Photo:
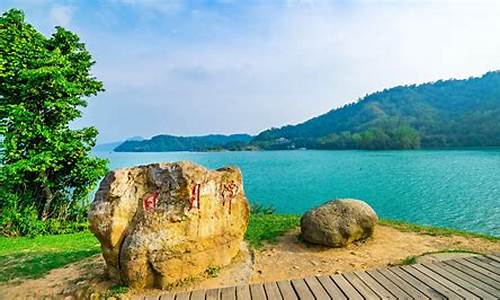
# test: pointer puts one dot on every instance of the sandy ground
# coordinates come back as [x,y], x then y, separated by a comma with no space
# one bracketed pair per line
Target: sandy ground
[292,259]
[289,258]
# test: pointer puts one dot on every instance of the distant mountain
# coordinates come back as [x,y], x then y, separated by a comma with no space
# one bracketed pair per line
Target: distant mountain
[106,147]
[164,143]
[450,113]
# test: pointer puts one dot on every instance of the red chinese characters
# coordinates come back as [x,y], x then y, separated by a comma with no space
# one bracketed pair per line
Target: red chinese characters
[194,200]
[228,193]
[150,201]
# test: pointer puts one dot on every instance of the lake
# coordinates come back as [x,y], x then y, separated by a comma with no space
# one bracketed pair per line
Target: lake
[451,188]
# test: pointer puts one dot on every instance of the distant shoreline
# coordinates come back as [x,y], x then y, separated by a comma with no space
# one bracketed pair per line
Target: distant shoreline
[289,150]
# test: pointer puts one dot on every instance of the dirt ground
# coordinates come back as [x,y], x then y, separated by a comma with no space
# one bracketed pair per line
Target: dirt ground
[292,259]
[288,258]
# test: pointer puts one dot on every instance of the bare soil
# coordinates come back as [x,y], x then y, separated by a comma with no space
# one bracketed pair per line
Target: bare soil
[288,258]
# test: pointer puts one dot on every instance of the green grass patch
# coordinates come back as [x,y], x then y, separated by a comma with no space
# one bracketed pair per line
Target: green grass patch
[267,228]
[116,290]
[410,260]
[30,258]
[434,231]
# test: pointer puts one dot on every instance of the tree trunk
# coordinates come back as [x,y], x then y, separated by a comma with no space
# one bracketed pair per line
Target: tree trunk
[48,199]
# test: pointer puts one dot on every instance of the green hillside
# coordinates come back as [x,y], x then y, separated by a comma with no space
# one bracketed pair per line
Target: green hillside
[445,113]
[164,143]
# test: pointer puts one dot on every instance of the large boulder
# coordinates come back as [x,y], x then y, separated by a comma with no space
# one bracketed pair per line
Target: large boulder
[338,223]
[166,222]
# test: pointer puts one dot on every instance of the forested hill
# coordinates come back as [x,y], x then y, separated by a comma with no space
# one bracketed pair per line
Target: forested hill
[163,143]
[449,113]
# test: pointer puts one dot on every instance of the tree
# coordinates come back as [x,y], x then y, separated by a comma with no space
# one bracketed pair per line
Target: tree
[46,173]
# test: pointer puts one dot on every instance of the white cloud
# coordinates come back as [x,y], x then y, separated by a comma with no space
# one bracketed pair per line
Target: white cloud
[61,15]
[269,67]
[161,6]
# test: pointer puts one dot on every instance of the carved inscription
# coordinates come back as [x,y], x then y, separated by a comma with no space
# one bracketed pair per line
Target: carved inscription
[229,191]
[194,200]
[150,201]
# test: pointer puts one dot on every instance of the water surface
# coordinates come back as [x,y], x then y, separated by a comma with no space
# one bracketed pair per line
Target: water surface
[452,188]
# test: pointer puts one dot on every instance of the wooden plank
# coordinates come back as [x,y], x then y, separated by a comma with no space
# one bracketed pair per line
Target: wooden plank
[494,257]
[457,289]
[484,265]
[198,295]
[436,286]
[182,296]
[151,297]
[477,268]
[346,287]
[287,290]
[228,293]
[490,261]
[426,290]
[316,288]
[272,291]
[473,273]
[257,292]
[460,281]
[243,292]
[360,286]
[167,296]
[331,288]
[408,288]
[469,278]
[301,288]
[397,290]
[381,291]
[212,294]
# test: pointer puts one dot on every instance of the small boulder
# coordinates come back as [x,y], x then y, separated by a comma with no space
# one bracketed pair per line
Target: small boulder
[338,223]
[166,222]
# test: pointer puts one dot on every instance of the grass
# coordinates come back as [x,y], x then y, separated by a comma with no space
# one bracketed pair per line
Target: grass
[116,290]
[212,271]
[31,258]
[434,231]
[267,228]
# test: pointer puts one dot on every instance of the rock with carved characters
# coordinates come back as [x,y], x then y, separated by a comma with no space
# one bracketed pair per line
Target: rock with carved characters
[163,223]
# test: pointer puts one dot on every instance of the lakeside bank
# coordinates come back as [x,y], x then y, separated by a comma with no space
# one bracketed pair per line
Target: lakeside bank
[67,264]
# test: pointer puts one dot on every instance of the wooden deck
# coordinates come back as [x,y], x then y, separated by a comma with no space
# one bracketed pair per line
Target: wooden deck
[465,278]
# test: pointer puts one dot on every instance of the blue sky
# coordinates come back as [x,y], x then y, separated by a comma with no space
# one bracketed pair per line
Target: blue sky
[198,67]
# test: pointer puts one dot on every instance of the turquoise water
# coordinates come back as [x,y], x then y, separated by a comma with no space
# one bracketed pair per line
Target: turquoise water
[452,188]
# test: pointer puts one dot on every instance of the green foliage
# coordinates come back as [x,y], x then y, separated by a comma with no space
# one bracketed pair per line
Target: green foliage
[403,137]
[46,173]
[451,113]
[410,260]
[261,209]
[267,228]
[161,143]
[116,290]
[212,271]
[24,258]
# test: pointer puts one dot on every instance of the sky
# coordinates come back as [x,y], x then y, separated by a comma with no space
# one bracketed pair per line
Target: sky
[199,67]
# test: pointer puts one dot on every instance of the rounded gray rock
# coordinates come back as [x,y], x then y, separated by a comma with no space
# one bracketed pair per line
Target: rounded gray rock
[338,223]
